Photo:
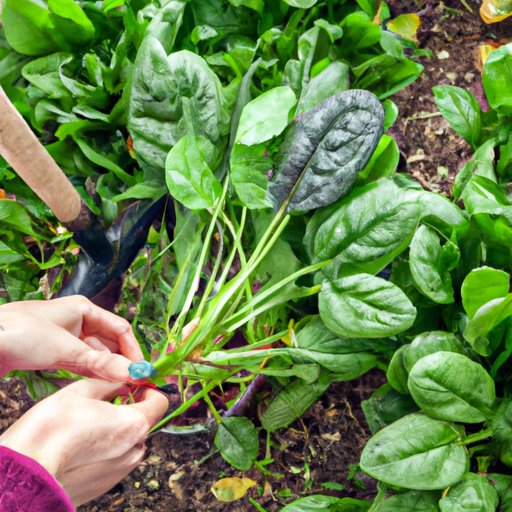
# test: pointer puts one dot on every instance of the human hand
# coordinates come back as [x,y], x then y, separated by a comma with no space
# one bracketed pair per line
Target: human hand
[85,442]
[70,333]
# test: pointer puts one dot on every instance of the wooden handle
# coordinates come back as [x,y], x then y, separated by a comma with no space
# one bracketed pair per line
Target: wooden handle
[28,157]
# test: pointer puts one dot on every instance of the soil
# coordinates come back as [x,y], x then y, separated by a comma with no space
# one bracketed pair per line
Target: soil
[324,446]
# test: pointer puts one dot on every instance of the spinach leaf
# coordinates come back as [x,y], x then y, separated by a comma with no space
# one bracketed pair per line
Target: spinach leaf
[265,117]
[324,150]
[189,177]
[292,402]
[412,501]
[497,76]
[237,440]
[416,452]
[366,230]
[450,386]
[155,110]
[431,263]
[473,493]
[460,108]
[320,503]
[482,285]
[365,306]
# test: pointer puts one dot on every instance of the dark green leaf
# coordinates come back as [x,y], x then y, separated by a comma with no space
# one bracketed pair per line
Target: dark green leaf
[325,149]
[412,501]
[416,452]
[237,441]
[450,386]
[473,494]
[365,306]
[386,406]
[366,230]
[291,403]
[155,113]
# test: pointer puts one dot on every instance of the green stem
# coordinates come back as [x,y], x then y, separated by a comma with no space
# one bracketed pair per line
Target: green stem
[478,436]
[185,405]
[260,297]
[214,411]
[313,290]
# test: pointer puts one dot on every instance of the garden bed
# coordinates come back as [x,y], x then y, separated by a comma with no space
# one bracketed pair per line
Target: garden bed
[320,452]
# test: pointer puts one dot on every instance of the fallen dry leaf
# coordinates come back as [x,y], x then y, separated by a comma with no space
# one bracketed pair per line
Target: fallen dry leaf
[231,489]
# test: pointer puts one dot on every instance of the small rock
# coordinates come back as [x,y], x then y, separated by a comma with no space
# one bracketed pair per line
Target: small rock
[443,55]
[469,77]
[451,76]
[153,485]
[137,485]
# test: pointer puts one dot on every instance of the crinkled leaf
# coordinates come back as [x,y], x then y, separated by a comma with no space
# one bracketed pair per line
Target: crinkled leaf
[482,285]
[450,386]
[324,150]
[155,110]
[473,494]
[291,403]
[237,440]
[416,452]
[365,306]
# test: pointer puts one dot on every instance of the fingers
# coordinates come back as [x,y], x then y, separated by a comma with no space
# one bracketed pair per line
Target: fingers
[105,325]
[152,404]
[97,389]
[102,364]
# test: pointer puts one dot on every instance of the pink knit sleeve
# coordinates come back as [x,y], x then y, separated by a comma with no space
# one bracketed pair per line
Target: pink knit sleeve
[26,486]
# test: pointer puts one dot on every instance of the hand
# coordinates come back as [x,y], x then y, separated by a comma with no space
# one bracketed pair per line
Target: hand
[85,442]
[70,333]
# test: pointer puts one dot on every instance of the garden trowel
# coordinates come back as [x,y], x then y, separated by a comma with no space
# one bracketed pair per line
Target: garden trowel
[106,254]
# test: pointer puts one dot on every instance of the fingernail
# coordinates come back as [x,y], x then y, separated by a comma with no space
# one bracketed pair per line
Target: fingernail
[141,370]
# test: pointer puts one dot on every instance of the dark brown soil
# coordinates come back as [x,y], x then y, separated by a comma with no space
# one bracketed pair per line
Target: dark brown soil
[325,445]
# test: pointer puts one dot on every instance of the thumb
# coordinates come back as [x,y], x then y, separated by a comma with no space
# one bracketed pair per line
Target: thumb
[102,364]
[152,404]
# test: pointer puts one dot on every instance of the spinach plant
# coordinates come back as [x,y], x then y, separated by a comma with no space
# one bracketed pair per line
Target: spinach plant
[441,424]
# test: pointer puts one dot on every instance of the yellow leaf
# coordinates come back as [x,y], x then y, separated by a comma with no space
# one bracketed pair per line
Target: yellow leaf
[484,50]
[406,26]
[493,11]
[231,489]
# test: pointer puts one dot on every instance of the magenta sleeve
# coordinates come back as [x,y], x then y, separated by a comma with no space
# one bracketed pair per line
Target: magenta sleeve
[26,486]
